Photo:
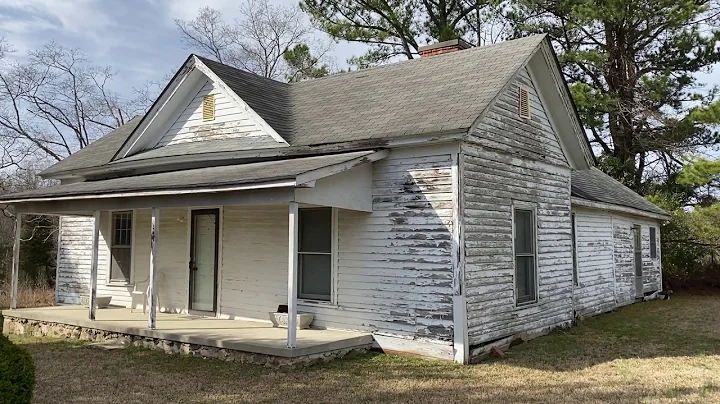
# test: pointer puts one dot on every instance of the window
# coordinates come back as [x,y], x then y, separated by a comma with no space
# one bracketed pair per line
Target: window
[121,247]
[315,254]
[525,274]
[208,107]
[653,243]
[574,252]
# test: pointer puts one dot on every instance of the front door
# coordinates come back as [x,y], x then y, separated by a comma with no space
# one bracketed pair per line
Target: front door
[637,255]
[204,259]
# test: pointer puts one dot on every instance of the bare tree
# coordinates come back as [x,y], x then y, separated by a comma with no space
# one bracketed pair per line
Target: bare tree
[57,103]
[257,42]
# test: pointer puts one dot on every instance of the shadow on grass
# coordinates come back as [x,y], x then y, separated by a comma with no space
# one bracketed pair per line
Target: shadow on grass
[687,326]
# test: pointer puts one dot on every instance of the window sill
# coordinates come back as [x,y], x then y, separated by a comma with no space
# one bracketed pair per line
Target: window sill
[526,304]
[119,284]
[316,303]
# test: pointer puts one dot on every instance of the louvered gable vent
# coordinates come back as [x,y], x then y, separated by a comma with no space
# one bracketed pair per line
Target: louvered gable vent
[524,103]
[208,107]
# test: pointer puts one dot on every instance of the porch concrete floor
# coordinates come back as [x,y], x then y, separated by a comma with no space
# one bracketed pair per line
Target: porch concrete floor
[246,336]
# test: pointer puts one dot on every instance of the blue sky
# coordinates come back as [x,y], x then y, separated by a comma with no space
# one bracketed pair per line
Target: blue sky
[138,38]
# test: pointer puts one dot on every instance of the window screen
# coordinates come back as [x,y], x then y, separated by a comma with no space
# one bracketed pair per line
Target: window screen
[653,243]
[315,254]
[525,274]
[121,247]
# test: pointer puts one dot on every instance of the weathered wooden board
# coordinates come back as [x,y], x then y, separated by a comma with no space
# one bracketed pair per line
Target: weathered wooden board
[494,180]
[230,122]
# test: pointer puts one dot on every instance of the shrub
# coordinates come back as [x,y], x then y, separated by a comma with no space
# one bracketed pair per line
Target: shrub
[17,373]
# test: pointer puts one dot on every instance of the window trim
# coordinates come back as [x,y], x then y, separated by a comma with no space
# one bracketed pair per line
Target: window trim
[108,243]
[653,242]
[333,261]
[529,206]
[576,267]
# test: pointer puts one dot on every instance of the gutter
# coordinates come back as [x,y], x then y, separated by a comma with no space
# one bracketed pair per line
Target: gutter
[186,191]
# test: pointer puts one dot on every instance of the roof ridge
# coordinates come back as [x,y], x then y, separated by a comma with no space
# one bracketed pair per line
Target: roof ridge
[537,37]
[241,71]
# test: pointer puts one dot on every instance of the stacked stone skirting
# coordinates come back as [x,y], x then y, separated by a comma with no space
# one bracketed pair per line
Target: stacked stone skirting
[21,326]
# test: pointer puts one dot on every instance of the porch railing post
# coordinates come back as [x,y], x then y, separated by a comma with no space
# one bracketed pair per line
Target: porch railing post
[154,237]
[15,262]
[94,264]
[292,275]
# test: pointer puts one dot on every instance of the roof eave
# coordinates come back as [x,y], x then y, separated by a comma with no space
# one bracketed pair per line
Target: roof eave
[619,208]
[120,166]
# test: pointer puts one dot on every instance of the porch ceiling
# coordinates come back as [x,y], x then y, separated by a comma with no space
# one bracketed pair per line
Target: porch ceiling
[163,188]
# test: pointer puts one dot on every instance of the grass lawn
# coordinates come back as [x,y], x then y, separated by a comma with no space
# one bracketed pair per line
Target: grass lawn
[660,351]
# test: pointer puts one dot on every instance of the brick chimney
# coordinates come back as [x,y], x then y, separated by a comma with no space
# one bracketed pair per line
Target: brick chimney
[439,48]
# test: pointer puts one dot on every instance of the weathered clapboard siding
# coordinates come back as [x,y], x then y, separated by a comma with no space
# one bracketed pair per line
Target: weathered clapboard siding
[394,264]
[73,266]
[492,182]
[503,129]
[230,122]
[606,260]
[76,246]
[594,292]
[172,272]
[254,262]
[394,272]
[624,258]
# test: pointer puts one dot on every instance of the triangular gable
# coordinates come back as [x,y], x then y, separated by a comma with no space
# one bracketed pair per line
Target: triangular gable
[553,133]
[176,116]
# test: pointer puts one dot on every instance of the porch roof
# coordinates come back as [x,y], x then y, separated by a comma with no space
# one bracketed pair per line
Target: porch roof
[281,173]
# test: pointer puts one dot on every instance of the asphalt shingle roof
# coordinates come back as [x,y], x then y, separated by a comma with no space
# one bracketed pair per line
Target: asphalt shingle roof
[97,153]
[193,178]
[595,185]
[427,95]
[437,94]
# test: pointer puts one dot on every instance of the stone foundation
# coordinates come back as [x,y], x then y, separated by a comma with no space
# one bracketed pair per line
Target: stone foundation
[20,326]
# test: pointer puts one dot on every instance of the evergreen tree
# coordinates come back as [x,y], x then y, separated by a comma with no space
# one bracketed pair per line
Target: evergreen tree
[633,66]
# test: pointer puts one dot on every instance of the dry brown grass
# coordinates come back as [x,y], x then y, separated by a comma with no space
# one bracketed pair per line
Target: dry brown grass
[656,352]
[28,296]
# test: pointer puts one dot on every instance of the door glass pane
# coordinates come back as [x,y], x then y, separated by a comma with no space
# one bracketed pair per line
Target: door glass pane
[120,266]
[314,276]
[204,262]
[523,231]
[315,230]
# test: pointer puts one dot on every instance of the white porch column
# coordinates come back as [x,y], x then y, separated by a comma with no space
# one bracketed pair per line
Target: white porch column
[15,263]
[94,263]
[292,275]
[154,236]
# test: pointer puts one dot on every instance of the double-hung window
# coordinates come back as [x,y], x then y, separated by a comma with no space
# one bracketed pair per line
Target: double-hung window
[653,243]
[315,254]
[525,257]
[121,247]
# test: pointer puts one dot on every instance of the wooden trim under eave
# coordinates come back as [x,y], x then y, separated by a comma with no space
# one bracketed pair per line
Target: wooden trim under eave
[617,208]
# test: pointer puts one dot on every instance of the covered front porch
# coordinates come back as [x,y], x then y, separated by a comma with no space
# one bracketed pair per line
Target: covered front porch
[243,336]
[225,221]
